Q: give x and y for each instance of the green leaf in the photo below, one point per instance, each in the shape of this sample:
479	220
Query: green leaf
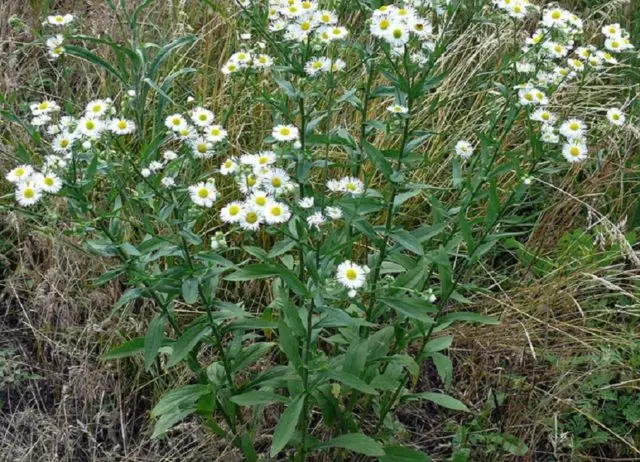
287	425
444	367
289	345
403	454
180	397
126	349
189	339
440	399
462	316
408	241
413	308
439	344
352	381
85	54
190	290
153	340
256	398
355	442
378	159
169	420
265	270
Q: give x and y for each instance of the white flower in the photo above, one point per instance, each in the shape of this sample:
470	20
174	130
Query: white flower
228	167
335	213
334	185
175	122
231	213
97	108
169	156
351	275
59	19
28	194
264	159
47	182
317	65
216	133
122	126
145	172
202	117
90	127
54	162
397	35
276	181
285	133
155	166
202	148
263	61
230	67
612	31
549	134
325	17
544	116
351	185
250	219
203	194
464	149
20	174
573	128
62	142
306	202
531	95
44	107
86	145
40	120
575	151
258	199
616	116
276	212
398	109
168	182
247	183
316	220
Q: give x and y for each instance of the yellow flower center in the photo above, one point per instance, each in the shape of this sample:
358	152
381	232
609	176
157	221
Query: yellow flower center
351	274
48	181
556	14
612	30
59	19
228	164
351	187
215	131
232	67
546	116
575	151
20	171
325	18
276	182
176	121
251	181
317	65
29	193
202	117
183	132
284	131
306	5
43	106
202	148
615	116
574	126
122	125
384	24
262	59
263	160
528	96
64	143
305	25
251	217
261	200
90	125
615	44
234	210
558	48
276	211
96	108
517	9
397	33
203	193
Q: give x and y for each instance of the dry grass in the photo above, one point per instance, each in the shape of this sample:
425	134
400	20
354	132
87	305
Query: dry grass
56	324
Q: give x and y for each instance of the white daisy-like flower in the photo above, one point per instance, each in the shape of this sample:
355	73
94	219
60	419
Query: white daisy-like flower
306	202
351	185
90	127
397	35
398	109
247	183
335	213
20	174
258	199
60	19
202	147
47	182
175	122
97	108
203	194
325	17
380	26
264	158
351	275
615	45
316	220
334	185
250	219
612	30
317	65
575	151
285	133
616	116
464	149
263	61
232	212
53	162
28	193
544	116
215	133
202	117
573	128
276	181
228	167
41	120
185	133
63	142
549	134
276	212
122	126
44	107
230	67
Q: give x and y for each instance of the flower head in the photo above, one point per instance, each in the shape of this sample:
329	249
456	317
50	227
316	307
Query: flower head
351	275
203	194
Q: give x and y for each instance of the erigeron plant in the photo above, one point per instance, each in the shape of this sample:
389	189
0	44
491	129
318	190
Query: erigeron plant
356	299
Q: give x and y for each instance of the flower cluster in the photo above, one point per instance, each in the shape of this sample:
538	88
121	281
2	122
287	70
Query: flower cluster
198	130
304	20
30	184
397	26
242	60
515	8
54	44
553	59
